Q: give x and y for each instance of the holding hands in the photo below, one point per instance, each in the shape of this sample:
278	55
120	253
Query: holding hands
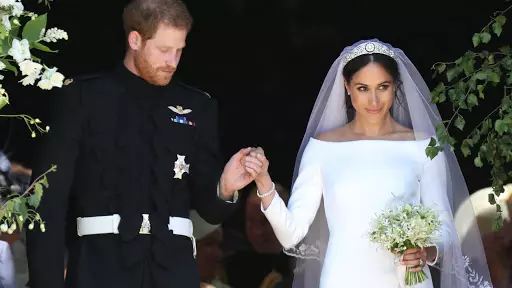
249	164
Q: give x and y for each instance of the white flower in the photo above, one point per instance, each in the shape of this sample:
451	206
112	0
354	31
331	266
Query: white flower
17	9
29	67
2	65
4	227
7	2
51	78
28	80
20	50
54	34
5	22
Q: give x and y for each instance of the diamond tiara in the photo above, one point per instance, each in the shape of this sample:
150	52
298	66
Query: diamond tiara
368	48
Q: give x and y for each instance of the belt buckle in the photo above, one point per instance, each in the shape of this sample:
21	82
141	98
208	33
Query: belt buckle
145	226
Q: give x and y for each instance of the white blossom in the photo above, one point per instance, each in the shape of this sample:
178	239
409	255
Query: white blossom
54	34
5	22
28	80
29	67
17	9
5	3
2	65
51	78
20	50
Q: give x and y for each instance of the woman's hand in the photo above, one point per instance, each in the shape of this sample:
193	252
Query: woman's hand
257	164
415	259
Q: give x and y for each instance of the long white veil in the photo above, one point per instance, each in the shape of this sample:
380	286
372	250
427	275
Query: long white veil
463	263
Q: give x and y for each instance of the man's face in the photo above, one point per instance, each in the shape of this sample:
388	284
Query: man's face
156	59
258	230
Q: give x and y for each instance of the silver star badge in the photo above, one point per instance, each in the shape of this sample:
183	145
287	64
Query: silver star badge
180	167
179	110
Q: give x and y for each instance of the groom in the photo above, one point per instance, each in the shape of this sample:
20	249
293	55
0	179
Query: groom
135	150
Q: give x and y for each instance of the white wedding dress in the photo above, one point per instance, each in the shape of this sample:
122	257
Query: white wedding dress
358	179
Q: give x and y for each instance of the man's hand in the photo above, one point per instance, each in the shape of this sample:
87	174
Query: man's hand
235	176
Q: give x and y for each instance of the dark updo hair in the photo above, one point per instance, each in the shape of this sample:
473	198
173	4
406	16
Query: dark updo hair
388	63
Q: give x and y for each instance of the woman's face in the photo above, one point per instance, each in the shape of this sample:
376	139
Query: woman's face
371	91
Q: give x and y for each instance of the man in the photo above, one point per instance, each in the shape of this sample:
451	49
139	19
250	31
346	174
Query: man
135	150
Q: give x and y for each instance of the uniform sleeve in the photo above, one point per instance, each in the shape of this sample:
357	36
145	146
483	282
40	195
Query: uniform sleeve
433	191
206	170
292	224
45	250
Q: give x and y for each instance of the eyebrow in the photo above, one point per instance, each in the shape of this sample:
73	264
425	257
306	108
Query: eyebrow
385	82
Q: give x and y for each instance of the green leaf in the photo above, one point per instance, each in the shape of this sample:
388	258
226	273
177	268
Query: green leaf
465	148
38	190
485	37
10	67
480	89
497	28
44	181
501	20
492	198
469	67
478	162
3	101
450	74
33	28
431	152
472	101
33	200
476	39
494	77
3	32
460	122
505	49
433	142
481	75
501	126
42	47
441	68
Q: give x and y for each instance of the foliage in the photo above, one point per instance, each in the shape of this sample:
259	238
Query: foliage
21	34
475	77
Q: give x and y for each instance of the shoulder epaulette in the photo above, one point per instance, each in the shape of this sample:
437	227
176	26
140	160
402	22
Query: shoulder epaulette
195	89
85	77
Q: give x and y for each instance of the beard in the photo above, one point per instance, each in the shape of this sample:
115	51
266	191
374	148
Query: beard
154	75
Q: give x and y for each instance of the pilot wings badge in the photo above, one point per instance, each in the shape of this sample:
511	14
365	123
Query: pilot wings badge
179	110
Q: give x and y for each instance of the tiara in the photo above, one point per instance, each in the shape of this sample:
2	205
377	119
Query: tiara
368	48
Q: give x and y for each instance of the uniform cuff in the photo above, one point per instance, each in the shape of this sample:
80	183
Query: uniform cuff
235	195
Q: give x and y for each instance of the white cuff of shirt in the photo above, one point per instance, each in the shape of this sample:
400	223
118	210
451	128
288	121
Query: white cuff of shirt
235	195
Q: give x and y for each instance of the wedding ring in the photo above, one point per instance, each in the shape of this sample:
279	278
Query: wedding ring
421	262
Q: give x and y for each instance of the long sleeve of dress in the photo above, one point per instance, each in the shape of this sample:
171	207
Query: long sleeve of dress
45	251
433	191
292	224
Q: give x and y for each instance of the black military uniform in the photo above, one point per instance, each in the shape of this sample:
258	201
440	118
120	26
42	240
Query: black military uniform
134	153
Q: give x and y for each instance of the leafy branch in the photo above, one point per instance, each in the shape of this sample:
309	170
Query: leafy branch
464	83
18	207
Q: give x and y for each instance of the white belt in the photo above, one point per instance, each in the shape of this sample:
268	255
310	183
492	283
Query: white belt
109	225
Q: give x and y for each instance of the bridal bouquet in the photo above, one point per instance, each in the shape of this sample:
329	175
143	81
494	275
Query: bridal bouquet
403	227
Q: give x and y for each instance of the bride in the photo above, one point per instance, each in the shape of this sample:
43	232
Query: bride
364	150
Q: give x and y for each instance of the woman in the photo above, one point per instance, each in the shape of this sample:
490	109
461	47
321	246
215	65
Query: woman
371	125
